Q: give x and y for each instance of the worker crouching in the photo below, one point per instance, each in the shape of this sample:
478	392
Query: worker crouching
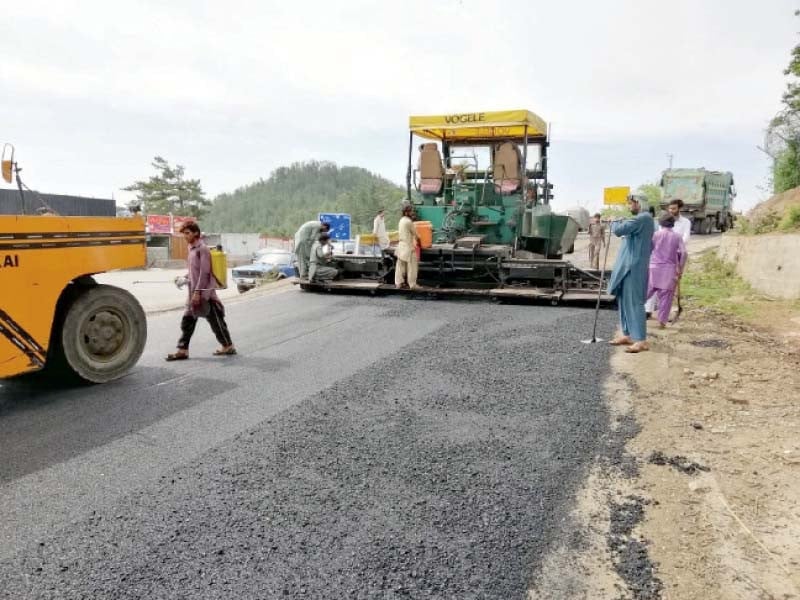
320	269
304	239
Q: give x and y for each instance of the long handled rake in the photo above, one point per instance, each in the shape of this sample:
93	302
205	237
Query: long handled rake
594	338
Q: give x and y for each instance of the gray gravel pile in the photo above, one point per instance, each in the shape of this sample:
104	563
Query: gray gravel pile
444	472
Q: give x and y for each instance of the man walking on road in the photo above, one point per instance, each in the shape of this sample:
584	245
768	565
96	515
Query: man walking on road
406	253
303	240
666	266
379	230
629	278
597	239
683	227
203	300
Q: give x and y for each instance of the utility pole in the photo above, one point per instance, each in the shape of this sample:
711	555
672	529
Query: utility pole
670	157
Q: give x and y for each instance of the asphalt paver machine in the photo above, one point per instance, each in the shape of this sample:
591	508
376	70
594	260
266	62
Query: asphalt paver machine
481	181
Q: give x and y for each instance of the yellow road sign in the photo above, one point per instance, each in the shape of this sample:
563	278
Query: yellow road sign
616	195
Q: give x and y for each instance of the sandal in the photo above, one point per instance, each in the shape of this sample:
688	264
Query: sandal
176	356
638	347
621	341
229	352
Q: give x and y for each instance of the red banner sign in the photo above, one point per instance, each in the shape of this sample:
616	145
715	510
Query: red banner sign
159	224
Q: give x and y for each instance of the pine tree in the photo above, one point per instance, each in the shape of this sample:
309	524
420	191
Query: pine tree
168	192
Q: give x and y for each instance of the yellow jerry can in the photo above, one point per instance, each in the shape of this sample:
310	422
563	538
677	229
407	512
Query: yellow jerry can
219	267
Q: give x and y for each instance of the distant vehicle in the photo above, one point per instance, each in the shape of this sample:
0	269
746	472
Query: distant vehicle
707	197
269	265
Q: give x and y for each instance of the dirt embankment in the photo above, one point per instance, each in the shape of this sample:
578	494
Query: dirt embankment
704	500
777	204
722	397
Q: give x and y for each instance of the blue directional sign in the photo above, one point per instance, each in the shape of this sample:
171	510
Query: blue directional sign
340	225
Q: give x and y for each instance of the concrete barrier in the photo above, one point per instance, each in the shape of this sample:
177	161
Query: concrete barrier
769	263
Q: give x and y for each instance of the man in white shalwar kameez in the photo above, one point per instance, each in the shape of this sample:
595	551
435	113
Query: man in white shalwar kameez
379	230
406	253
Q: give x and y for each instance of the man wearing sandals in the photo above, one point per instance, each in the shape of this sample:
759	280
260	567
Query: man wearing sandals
203	300
629	278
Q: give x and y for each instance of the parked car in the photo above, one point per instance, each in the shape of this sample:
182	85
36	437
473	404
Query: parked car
269	265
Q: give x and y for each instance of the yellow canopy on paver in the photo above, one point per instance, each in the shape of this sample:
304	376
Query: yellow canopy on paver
478	126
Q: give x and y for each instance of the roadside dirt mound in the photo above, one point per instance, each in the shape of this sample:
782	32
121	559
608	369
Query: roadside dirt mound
778	203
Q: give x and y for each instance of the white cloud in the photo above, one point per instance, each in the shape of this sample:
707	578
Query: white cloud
235	89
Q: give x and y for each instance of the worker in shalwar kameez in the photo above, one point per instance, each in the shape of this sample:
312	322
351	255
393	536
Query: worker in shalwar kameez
406	253
629	278
319	269
303	240
667	262
597	239
682	227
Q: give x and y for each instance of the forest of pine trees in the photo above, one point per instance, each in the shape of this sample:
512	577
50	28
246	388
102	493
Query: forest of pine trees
295	194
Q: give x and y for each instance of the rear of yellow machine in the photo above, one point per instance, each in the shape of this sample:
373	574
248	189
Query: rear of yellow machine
52	312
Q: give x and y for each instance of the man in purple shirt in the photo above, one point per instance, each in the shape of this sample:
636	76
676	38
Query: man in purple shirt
203	300
667	261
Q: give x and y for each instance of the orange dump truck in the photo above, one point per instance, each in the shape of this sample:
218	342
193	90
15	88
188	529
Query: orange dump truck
52	312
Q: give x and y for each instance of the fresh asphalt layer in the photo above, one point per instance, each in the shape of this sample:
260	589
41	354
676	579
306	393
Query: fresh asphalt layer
355	448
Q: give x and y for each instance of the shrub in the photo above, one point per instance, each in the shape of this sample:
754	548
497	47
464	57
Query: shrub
767	223
744	225
791	219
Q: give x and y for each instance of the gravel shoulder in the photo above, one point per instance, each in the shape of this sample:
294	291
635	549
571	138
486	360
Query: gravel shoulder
714	496
723	395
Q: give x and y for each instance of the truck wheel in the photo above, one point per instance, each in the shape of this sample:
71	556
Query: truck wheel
104	333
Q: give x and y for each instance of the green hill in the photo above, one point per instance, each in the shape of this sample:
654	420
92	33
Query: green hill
295	194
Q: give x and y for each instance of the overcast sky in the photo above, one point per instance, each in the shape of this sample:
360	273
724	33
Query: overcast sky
90	91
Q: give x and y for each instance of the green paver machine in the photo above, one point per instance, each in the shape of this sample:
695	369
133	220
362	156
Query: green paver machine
481	180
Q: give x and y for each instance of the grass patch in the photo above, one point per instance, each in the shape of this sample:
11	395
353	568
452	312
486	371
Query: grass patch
791	219
711	282
787	221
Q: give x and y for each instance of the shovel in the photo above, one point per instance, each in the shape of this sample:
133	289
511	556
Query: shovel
680	307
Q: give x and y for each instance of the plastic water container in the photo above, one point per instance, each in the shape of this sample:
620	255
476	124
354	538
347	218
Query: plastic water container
219	268
425	233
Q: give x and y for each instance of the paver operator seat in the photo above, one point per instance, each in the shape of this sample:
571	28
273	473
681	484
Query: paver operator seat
507	163
431	171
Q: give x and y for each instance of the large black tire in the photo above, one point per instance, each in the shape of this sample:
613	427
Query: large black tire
103	334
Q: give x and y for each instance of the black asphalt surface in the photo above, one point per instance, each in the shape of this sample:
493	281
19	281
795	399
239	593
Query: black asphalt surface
356	448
